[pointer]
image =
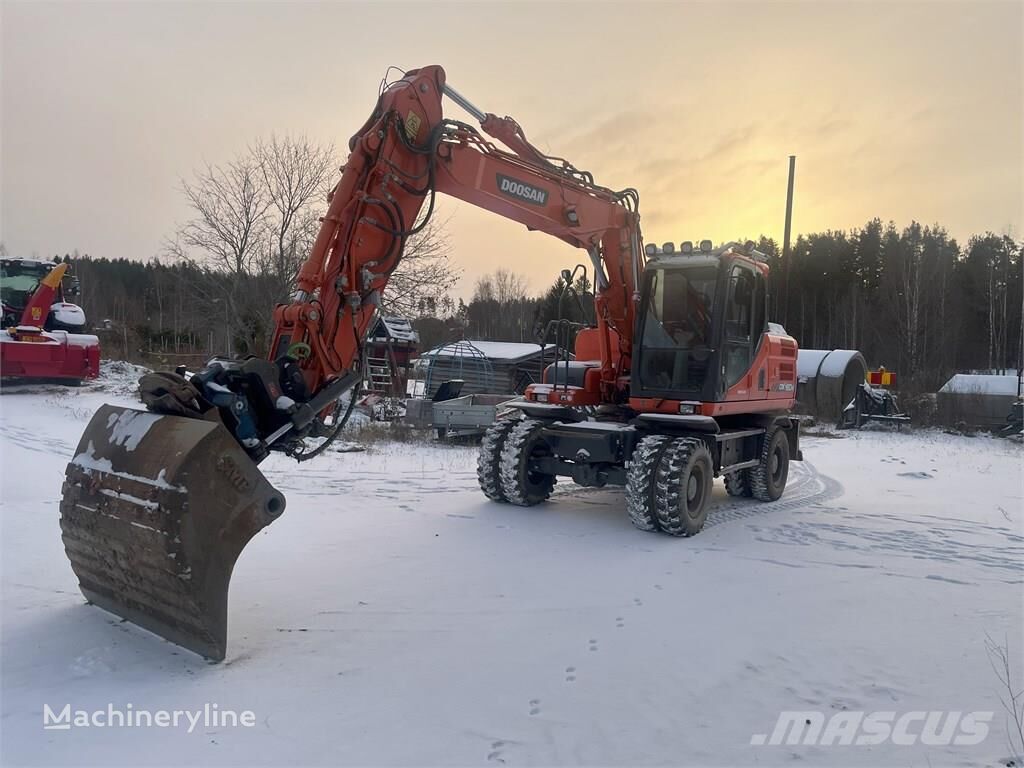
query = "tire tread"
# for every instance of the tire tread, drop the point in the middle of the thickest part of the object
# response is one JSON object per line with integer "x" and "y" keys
{"x": 640, "y": 481}
{"x": 488, "y": 460}
{"x": 669, "y": 499}
{"x": 513, "y": 465}
{"x": 760, "y": 479}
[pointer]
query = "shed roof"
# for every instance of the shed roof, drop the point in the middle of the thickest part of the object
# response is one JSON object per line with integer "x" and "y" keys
{"x": 498, "y": 351}
{"x": 981, "y": 384}
{"x": 397, "y": 328}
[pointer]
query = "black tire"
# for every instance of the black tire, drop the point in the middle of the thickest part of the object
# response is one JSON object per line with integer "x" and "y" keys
{"x": 519, "y": 484}
{"x": 488, "y": 460}
{"x": 768, "y": 478}
{"x": 640, "y": 477}
{"x": 683, "y": 487}
{"x": 737, "y": 483}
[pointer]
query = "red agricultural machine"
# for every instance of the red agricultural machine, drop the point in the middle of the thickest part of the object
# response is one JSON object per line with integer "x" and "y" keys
{"x": 43, "y": 338}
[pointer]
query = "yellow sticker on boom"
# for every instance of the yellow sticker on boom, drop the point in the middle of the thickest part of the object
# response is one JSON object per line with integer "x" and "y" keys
{"x": 412, "y": 124}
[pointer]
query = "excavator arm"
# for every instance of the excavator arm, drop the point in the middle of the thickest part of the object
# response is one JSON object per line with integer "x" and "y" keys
{"x": 158, "y": 505}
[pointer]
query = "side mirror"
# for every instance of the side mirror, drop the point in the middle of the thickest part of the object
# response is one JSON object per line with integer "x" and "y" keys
{"x": 567, "y": 276}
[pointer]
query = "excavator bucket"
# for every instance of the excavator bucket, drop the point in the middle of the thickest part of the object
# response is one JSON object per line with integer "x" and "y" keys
{"x": 155, "y": 511}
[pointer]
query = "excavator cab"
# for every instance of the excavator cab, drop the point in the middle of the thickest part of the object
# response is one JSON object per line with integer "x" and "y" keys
{"x": 701, "y": 319}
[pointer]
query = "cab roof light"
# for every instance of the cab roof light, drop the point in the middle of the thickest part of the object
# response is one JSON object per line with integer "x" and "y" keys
{"x": 668, "y": 248}
{"x": 686, "y": 246}
{"x": 705, "y": 246}
{"x": 651, "y": 249}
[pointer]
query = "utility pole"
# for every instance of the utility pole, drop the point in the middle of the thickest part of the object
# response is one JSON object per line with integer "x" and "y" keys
{"x": 789, "y": 222}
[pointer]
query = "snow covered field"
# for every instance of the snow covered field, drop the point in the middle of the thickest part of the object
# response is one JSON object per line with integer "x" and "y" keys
{"x": 393, "y": 616}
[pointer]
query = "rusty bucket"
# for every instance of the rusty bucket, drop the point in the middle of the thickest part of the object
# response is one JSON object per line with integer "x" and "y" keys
{"x": 155, "y": 511}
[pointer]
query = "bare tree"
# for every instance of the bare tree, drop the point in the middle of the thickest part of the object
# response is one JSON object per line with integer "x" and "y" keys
{"x": 483, "y": 290}
{"x": 1011, "y": 694}
{"x": 228, "y": 234}
{"x": 425, "y": 274}
{"x": 998, "y": 285}
{"x": 255, "y": 219}
{"x": 509, "y": 287}
{"x": 296, "y": 175}
{"x": 500, "y": 307}
{"x": 229, "y": 224}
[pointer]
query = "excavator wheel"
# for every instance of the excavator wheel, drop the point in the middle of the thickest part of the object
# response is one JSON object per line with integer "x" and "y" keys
{"x": 768, "y": 478}
{"x": 155, "y": 511}
{"x": 640, "y": 476}
{"x": 683, "y": 487}
{"x": 737, "y": 483}
{"x": 520, "y": 484}
{"x": 488, "y": 461}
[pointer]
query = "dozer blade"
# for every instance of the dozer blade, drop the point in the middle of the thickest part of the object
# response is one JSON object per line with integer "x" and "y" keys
{"x": 155, "y": 511}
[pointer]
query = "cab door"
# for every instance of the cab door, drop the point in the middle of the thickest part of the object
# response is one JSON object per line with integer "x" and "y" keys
{"x": 744, "y": 371}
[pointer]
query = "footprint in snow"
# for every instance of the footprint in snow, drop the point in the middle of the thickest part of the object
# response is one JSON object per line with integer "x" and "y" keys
{"x": 620, "y": 622}
{"x": 917, "y": 475}
{"x": 570, "y": 674}
{"x": 592, "y": 646}
{"x": 495, "y": 755}
{"x": 534, "y": 706}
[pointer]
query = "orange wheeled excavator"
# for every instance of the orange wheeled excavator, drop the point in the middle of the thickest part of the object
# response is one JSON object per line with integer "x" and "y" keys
{"x": 681, "y": 378}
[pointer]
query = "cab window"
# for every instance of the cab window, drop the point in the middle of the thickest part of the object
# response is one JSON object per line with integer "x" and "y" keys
{"x": 676, "y": 337}
{"x": 740, "y": 324}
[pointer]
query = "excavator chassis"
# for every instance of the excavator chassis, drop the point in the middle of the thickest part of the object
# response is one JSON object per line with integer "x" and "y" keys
{"x": 155, "y": 511}
{"x": 666, "y": 462}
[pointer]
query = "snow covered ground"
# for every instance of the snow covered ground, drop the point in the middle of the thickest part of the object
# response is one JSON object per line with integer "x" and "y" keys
{"x": 393, "y": 616}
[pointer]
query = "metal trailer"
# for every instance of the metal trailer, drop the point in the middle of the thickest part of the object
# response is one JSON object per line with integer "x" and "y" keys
{"x": 468, "y": 415}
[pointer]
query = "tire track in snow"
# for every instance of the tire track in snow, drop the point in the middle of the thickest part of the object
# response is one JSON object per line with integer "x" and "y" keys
{"x": 913, "y": 539}
{"x": 29, "y": 440}
{"x": 807, "y": 487}
{"x": 811, "y": 488}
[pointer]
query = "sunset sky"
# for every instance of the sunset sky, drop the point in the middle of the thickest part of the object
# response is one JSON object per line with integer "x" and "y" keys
{"x": 896, "y": 110}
